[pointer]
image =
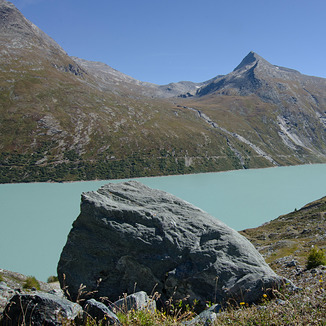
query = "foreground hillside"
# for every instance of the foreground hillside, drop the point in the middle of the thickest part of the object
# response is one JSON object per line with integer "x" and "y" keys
{"x": 63, "y": 118}
{"x": 292, "y": 234}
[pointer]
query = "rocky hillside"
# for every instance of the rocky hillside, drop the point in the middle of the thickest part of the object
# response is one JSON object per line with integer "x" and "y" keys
{"x": 291, "y": 235}
{"x": 64, "y": 118}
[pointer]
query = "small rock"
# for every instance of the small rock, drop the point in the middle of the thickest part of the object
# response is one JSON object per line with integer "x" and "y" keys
{"x": 292, "y": 263}
{"x": 207, "y": 317}
{"x": 261, "y": 307}
{"x": 136, "y": 301}
{"x": 100, "y": 313}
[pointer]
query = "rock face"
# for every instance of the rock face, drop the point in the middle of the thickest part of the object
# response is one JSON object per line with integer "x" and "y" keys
{"x": 129, "y": 237}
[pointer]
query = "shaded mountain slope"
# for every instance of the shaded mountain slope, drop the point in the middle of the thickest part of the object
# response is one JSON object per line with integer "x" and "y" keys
{"x": 64, "y": 118}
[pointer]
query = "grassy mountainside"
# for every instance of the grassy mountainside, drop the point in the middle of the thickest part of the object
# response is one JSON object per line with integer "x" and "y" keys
{"x": 63, "y": 118}
{"x": 58, "y": 124}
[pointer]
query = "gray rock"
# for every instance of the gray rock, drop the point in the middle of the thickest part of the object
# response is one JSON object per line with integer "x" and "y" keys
{"x": 205, "y": 318}
{"x": 136, "y": 301}
{"x": 130, "y": 237}
{"x": 4, "y": 286}
{"x": 5, "y": 294}
{"x": 57, "y": 292}
{"x": 99, "y": 312}
{"x": 292, "y": 263}
{"x": 40, "y": 309}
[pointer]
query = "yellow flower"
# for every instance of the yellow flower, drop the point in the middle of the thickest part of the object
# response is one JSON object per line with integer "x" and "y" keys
{"x": 320, "y": 280}
{"x": 242, "y": 303}
{"x": 265, "y": 295}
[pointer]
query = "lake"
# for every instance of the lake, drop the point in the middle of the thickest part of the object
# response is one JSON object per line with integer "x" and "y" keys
{"x": 37, "y": 217}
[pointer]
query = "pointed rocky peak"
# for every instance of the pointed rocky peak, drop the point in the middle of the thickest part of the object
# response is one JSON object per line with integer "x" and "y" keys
{"x": 245, "y": 79}
{"x": 12, "y": 20}
{"x": 250, "y": 59}
{"x": 8, "y": 13}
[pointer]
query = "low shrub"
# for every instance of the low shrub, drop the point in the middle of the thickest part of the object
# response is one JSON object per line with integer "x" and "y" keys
{"x": 316, "y": 257}
{"x": 52, "y": 279}
{"x": 31, "y": 282}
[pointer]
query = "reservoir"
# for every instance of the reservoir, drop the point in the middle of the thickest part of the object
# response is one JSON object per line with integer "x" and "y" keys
{"x": 37, "y": 217}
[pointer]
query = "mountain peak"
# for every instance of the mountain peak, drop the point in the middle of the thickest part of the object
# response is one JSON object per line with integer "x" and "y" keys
{"x": 6, "y": 4}
{"x": 20, "y": 31}
{"x": 249, "y": 59}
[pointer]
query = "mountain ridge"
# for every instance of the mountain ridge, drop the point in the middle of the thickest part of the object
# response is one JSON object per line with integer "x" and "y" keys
{"x": 64, "y": 118}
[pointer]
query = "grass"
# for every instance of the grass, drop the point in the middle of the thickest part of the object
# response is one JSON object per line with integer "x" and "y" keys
{"x": 292, "y": 234}
{"x": 303, "y": 307}
{"x": 52, "y": 279}
{"x": 31, "y": 282}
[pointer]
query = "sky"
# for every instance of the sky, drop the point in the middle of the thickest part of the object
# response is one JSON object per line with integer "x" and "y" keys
{"x": 163, "y": 41}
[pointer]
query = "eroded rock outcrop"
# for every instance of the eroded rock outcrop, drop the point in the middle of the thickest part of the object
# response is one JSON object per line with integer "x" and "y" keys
{"x": 129, "y": 237}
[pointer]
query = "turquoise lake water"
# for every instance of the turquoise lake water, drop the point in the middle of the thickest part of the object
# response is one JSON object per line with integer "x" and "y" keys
{"x": 36, "y": 218}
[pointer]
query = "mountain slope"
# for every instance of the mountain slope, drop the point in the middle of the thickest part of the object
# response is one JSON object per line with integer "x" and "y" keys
{"x": 64, "y": 118}
{"x": 57, "y": 123}
{"x": 108, "y": 78}
{"x": 278, "y": 109}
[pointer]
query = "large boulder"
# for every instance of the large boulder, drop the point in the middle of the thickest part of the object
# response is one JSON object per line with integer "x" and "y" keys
{"x": 129, "y": 237}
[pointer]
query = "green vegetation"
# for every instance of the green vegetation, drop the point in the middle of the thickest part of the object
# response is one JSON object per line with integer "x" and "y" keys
{"x": 22, "y": 168}
{"x": 316, "y": 258}
{"x": 52, "y": 279}
{"x": 31, "y": 282}
{"x": 306, "y": 307}
{"x": 292, "y": 234}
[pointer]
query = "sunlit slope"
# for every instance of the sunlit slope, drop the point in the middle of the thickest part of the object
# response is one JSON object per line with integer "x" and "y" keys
{"x": 275, "y": 109}
{"x": 63, "y": 118}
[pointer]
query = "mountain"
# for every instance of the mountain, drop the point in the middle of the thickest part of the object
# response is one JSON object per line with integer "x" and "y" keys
{"x": 110, "y": 79}
{"x": 276, "y": 108}
{"x": 65, "y": 118}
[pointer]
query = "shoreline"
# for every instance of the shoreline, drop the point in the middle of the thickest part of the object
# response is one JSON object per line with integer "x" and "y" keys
{"x": 159, "y": 176}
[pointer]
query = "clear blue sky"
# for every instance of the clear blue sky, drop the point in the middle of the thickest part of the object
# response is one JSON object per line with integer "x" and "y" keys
{"x": 162, "y": 41}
